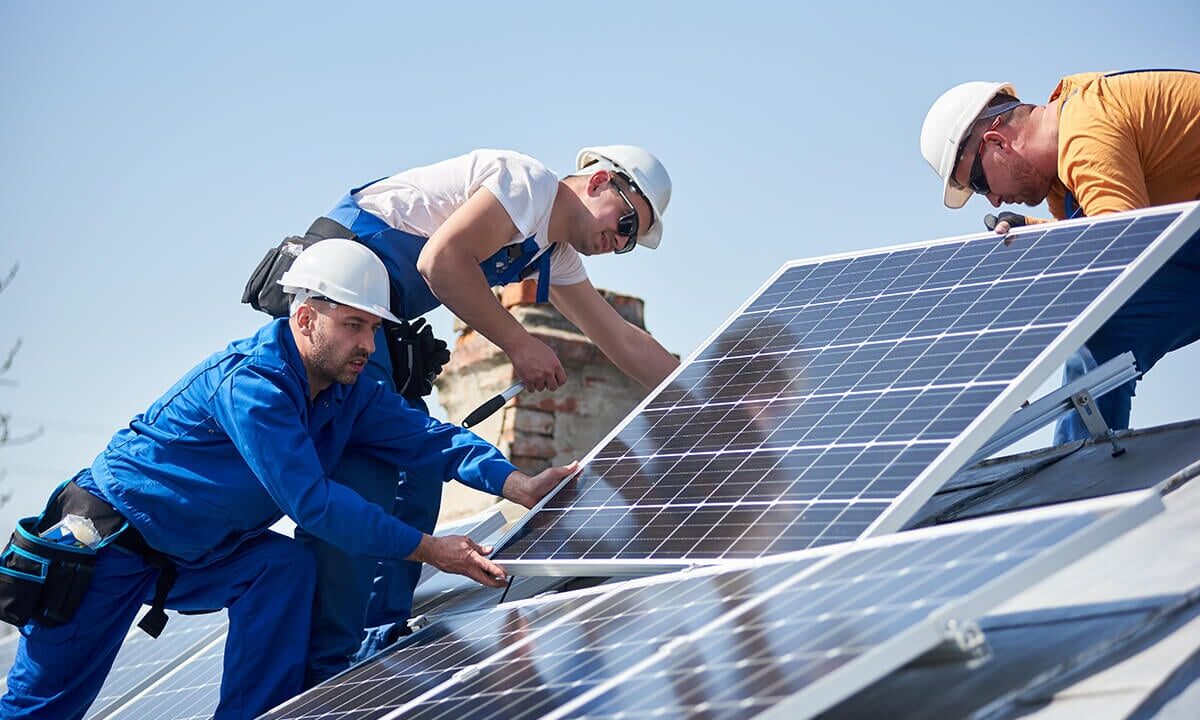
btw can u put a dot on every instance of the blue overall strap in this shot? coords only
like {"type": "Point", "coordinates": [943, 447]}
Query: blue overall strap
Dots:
{"type": "Point", "coordinates": [399, 250]}
{"type": "Point", "coordinates": [543, 288]}
{"type": "Point", "coordinates": [1071, 206]}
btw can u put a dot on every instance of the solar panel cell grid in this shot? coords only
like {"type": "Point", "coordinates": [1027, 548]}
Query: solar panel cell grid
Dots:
{"type": "Point", "coordinates": [827, 396]}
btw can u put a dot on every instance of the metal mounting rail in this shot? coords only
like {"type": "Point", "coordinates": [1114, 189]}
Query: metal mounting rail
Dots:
{"type": "Point", "coordinates": [1043, 411]}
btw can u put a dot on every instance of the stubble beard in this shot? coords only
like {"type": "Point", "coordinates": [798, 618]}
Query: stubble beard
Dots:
{"type": "Point", "coordinates": [333, 366]}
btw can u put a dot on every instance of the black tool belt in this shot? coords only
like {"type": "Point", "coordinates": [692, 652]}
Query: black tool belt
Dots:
{"type": "Point", "coordinates": [46, 581]}
{"type": "Point", "coordinates": [263, 291]}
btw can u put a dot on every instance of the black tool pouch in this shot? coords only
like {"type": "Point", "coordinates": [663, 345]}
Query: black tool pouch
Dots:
{"type": "Point", "coordinates": [263, 291]}
{"type": "Point", "coordinates": [42, 580]}
{"type": "Point", "coordinates": [46, 581]}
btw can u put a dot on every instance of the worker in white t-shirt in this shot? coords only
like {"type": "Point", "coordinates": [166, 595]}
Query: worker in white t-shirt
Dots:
{"type": "Point", "coordinates": [448, 233]}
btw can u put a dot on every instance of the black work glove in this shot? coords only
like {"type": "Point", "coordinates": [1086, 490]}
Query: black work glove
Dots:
{"type": "Point", "coordinates": [1013, 219]}
{"type": "Point", "coordinates": [417, 357]}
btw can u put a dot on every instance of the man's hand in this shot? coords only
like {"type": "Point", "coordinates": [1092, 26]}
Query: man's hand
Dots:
{"type": "Point", "coordinates": [460, 555]}
{"type": "Point", "coordinates": [1002, 223]}
{"type": "Point", "coordinates": [536, 365]}
{"type": "Point", "coordinates": [529, 491]}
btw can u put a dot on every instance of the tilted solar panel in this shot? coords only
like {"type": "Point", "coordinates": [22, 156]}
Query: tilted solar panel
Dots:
{"type": "Point", "coordinates": [840, 397]}
{"type": "Point", "coordinates": [803, 630]}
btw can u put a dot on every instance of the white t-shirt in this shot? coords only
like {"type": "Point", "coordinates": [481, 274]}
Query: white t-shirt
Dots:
{"type": "Point", "coordinates": [419, 200]}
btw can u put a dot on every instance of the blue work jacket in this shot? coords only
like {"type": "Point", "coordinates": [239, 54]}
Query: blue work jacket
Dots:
{"type": "Point", "coordinates": [236, 444]}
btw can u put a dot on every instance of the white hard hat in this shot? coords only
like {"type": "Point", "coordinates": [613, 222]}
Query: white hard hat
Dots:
{"type": "Point", "coordinates": [345, 272]}
{"type": "Point", "coordinates": [947, 125]}
{"type": "Point", "coordinates": [647, 173]}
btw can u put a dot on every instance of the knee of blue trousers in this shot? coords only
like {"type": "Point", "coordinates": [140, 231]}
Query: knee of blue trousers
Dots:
{"type": "Point", "coordinates": [58, 671]}
{"type": "Point", "coordinates": [418, 502]}
{"type": "Point", "coordinates": [266, 645]}
{"type": "Point", "coordinates": [344, 580]}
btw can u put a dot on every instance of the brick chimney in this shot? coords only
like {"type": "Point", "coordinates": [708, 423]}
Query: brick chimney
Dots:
{"type": "Point", "coordinates": [537, 430]}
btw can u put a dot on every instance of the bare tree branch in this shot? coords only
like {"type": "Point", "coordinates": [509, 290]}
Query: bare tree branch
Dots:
{"type": "Point", "coordinates": [8, 278]}
{"type": "Point", "coordinates": [6, 436]}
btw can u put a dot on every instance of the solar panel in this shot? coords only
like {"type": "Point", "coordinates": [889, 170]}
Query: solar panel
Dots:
{"type": "Point", "coordinates": [809, 627]}
{"type": "Point", "coordinates": [190, 691]}
{"type": "Point", "coordinates": [840, 397]}
{"type": "Point", "coordinates": [143, 659]}
{"type": "Point", "coordinates": [396, 676]}
{"type": "Point", "coordinates": [8, 653]}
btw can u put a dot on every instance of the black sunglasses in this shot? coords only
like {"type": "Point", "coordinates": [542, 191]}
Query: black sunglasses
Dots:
{"type": "Point", "coordinates": [627, 224]}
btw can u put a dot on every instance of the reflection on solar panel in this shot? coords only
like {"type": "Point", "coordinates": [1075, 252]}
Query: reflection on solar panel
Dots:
{"type": "Point", "coordinates": [189, 692]}
{"type": "Point", "coordinates": [809, 628]}
{"type": "Point", "coordinates": [809, 415]}
{"type": "Point", "coordinates": [395, 677]}
{"type": "Point", "coordinates": [144, 659]}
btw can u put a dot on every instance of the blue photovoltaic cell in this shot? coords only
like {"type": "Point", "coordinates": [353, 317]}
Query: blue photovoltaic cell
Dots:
{"type": "Point", "coordinates": [802, 421]}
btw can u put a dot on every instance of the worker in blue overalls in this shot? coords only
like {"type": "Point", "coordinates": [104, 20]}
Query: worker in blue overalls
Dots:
{"type": "Point", "coordinates": [447, 233]}
{"type": "Point", "coordinates": [1102, 143]}
{"type": "Point", "coordinates": [183, 498]}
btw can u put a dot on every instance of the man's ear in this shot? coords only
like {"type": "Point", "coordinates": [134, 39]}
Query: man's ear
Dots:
{"type": "Point", "coordinates": [997, 138]}
{"type": "Point", "coordinates": [306, 319]}
{"type": "Point", "coordinates": [599, 179]}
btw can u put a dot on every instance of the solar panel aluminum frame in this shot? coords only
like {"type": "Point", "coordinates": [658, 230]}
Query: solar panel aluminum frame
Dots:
{"type": "Point", "coordinates": [958, 452]}
{"type": "Point", "coordinates": [1121, 513]}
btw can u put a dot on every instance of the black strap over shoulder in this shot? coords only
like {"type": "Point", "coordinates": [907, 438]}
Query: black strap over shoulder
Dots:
{"type": "Point", "coordinates": [263, 291]}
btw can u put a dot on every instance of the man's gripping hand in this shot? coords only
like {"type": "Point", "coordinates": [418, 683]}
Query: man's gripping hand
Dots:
{"type": "Point", "coordinates": [536, 365]}
{"type": "Point", "coordinates": [460, 555]}
{"type": "Point", "coordinates": [529, 491]}
{"type": "Point", "coordinates": [1003, 222]}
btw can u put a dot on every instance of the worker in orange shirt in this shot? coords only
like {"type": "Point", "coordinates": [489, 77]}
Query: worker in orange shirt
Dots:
{"type": "Point", "coordinates": [1103, 143]}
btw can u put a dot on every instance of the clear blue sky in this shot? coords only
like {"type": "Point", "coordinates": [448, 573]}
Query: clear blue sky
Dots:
{"type": "Point", "coordinates": [152, 151]}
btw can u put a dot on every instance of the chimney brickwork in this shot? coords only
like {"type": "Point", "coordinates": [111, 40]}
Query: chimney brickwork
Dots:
{"type": "Point", "coordinates": [537, 430]}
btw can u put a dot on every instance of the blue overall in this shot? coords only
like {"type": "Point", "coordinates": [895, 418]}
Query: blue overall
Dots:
{"type": "Point", "coordinates": [1162, 316]}
{"type": "Point", "coordinates": [355, 592]}
{"type": "Point", "coordinates": [202, 474]}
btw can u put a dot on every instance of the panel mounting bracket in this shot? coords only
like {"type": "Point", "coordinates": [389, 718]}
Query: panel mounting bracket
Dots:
{"type": "Point", "coordinates": [963, 641]}
{"type": "Point", "coordinates": [1046, 409]}
{"type": "Point", "coordinates": [1085, 405]}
